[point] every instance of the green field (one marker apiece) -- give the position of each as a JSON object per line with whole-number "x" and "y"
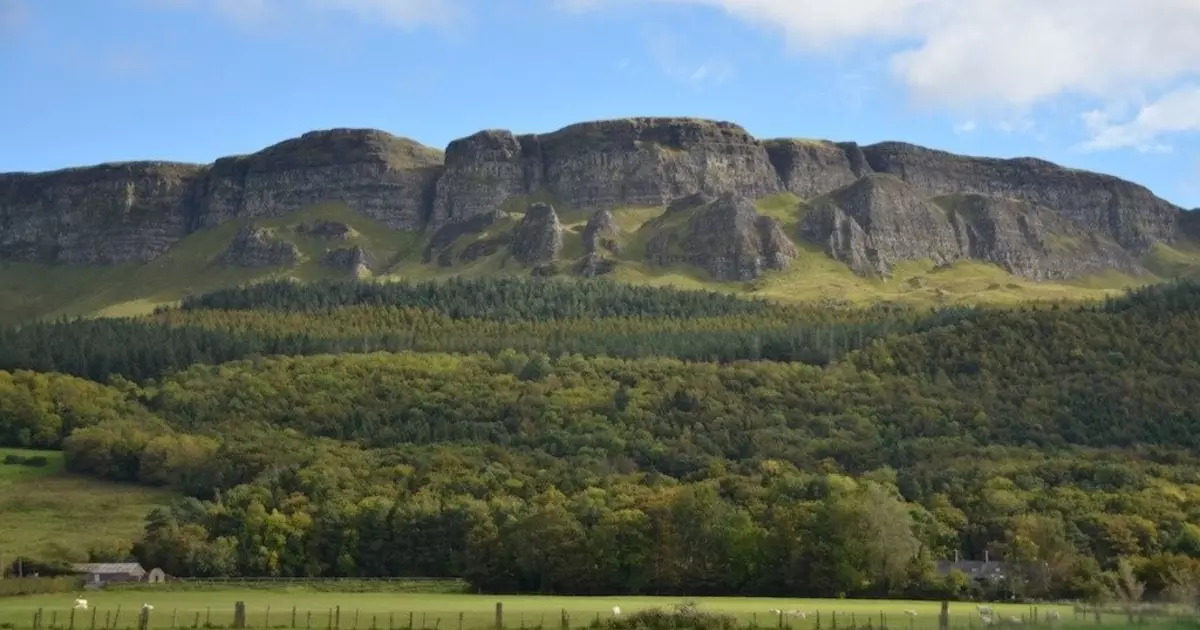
{"x": 273, "y": 608}
{"x": 45, "y": 512}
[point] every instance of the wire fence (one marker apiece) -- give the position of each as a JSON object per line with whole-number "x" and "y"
{"x": 236, "y": 615}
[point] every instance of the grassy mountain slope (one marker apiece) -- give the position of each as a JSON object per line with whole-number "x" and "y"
{"x": 192, "y": 266}
{"x": 49, "y": 513}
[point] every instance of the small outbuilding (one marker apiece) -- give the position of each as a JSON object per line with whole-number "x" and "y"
{"x": 111, "y": 572}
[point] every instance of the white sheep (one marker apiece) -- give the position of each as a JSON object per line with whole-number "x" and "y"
{"x": 1053, "y": 616}
{"x": 798, "y": 613}
{"x": 81, "y": 604}
{"x": 1015, "y": 619}
{"x": 987, "y": 621}
{"x": 616, "y": 611}
{"x": 147, "y": 607}
{"x": 910, "y": 613}
{"x": 984, "y": 610}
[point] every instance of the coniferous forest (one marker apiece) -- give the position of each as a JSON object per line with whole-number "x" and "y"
{"x": 590, "y": 437}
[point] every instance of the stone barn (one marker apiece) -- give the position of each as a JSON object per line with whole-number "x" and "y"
{"x": 110, "y": 572}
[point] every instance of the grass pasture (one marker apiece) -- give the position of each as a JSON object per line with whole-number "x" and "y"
{"x": 45, "y": 512}
{"x": 362, "y": 611}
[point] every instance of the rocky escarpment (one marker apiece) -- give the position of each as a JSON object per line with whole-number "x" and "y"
{"x": 726, "y": 237}
{"x": 117, "y": 213}
{"x": 259, "y": 247}
{"x": 106, "y": 214}
{"x": 1127, "y": 213}
{"x": 814, "y": 167}
{"x": 538, "y": 237}
{"x": 134, "y": 212}
{"x": 372, "y": 172}
{"x": 597, "y": 165}
{"x": 880, "y": 221}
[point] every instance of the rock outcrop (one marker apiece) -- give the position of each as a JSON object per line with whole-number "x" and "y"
{"x": 1127, "y": 213}
{"x": 328, "y": 230}
{"x": 118, "y": 213}
{"x": 597, "y": 165}
{"x": 113, "y": 213}
{"x": 814, "y": 167}
{"x": 538, "y": 237}
{"x": 593, "y": 264}
{"x": 356, "y": 260}
{"x": 259, "y": 247}
{"x": 880, "y": 221}
{"x": 601, "y": 232}
{"x": 726, "y": 237}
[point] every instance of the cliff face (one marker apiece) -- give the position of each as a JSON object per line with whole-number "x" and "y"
{"x": 134, "y": 212}
{"x": 1129, "y": 214}
{"x": 596, "y": 165}
{"x": 374, "y": 173}
{"x": 726, "y": 237}
{"x": 880, "y": 221}
{"x": 100, "y": 215}
{"x": 538, "y": 237}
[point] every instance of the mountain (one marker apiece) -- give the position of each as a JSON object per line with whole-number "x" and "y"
{"x": 786, "y": 208}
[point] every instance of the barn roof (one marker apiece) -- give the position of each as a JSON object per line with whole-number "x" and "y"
{"x": 128, "y": 568}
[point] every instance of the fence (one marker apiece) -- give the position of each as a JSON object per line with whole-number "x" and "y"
{"x": 239, "y": 616}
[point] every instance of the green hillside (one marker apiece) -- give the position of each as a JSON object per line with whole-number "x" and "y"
{"x": 193, "y": 266}
{"x": 50, "y": 514}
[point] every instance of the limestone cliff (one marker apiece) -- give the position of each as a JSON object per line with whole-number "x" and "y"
{"x": 1127, "y": 213}
{"x": 597, "y": 165}
{"x": 355, "y": 260}
{"x": 880, "y": 221}
{"x": 374, "y": 173}
{"x": 105, "y": 214}
{"x": 726, "y": 237}
{"x": 130, "y": 212}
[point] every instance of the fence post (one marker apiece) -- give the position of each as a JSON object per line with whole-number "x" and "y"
{"x": 94, "y": 611}
{"x": 460, "y": 621}
{"x": 267, "y": 618}
{"x": 53, "y": 619}
{"x": 239, "y": 615}
{"x": 144, "y": 618}
{"x": 196, "y": 621}
{"x": 293, "y": 616}
{"x": 174, "y": 617}
{"x": 944, "y": 618}
{"x": 499, "y": 616}
{"x": 337, "y": 617}
{"x": 410, "y": 620}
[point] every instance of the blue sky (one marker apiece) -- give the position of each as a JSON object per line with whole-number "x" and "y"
{"x": 1106, "y": 85}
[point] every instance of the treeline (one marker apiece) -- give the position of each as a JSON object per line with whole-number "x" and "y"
{"x": 173, "y": 339}
{"x": 511, "y": 519}
{"x": 496, "y": 298}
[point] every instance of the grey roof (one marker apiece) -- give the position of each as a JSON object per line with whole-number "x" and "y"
{"x": 127, "y": 568}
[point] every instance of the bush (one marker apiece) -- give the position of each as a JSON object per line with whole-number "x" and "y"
{"x": 40, "y": 585}
{"x": 35, "y": 461}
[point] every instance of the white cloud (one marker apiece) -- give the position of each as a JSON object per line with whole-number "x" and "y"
{"x": 965, "y": 127}
{"x": 1175, "y": 112}
{"x": 665, "y": 51}
{"x": 992, "y": 54}
{"x": 401, "y": 13}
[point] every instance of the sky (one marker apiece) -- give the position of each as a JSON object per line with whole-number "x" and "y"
{"x": 1105, "y": 85}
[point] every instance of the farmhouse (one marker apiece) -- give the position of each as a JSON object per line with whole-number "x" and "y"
{"x": 109, "y": 572}
{"x": 976, "y": 570}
